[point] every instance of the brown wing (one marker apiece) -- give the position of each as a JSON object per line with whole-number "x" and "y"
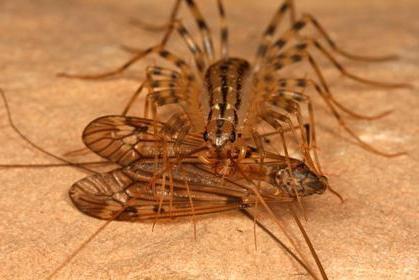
{"x": 124, "y": 140}
{"x": 126, "y": 194}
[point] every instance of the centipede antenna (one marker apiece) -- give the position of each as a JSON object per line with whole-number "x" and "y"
{"x": 276, "y": 220}
{"x": 279, "y": 241}
{"x": 309, "y": 243}
{"x": 83, "y": 245}
{"x": 27, "y": 140}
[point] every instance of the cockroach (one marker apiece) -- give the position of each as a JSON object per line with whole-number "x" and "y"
{"x": 152, "y": 183}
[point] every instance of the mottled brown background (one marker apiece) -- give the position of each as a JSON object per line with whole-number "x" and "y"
{"x": 373, "y": 235}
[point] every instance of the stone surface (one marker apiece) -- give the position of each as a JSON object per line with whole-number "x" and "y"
{"x": 373, "y": 235}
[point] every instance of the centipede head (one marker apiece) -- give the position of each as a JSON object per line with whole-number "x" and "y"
{"x": 220, "y": 134}
{"x": 223, "y": 152}
{"x": 222, "y": 162}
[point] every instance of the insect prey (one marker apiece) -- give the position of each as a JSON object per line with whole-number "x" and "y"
{"x": 144, "y": 188}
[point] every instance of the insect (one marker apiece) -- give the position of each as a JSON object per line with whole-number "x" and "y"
{"x": 138, "y": 175}
{"x": 134, "y": 192}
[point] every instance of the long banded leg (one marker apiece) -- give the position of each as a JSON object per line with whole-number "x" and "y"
{"x": 257, "y": 139}
{"x": 170, "y": 81}
{"x": 136, "y": 57}
{"x": 178, "y": 126}
{"x": 159, "y": 71}
{"x": 275, "y": 119}
{"x": 158, "y": 97}
{"x": 160, "y": 49}
{"x": 304, "y": 55}
{"x": 267, "y": 36}
{"x": 186, "y": 73}
{"x": 282, "y": 98}
{"x": 190, "y": 43}
{"x": 163, "y": 97}
{"x": 133, "y": 98}
{"x": 340, "y": 51}
{"x": 289, "y": 100}
{"x": 161, "y": 79}
{"x": 204, "y": 30}
{"x": 272, "y": 118}
{"x": 156, "y": 27}
{"x": 169, "y": 86}
{"x": 187, "y": 38}
{"x": 185, "y": 69}
{"x": 302, "y": 83}
{"x": 193, "y": 47}
{"x": 223, "y": 30}
{"x": 294, "y": 54}
{"x": 277, "y": 220}
{"x": 300, "y": 24}
{"x": 312, "y": 42}
{"x": 312, "y": 142}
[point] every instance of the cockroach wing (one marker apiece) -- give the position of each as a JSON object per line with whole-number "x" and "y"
{"x": 101, "y": 195}
{"x": 127, "y": 194}
{"x": 124, "y": 140}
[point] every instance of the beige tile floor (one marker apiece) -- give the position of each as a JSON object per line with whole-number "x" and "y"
{"x": 373, "y": 235}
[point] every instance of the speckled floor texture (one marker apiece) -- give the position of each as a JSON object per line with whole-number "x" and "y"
{"x": 372, "y": 235}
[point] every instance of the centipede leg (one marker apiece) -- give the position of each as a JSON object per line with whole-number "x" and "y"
{"x": 137, "y": 56}
{"x": 190, "y": 43}
{"x": 133, "y": 98}
{"x": 315, "y": 23}
{"x": 343, "y": 71}
{"x": 223, "y": 30}
{"x": 291, "y": 83}
{"x": 204, "y": 30}
{"x": 261, "y": 151}
{"x": 175, "y": 84}
{"x": 274, "y": 52}
{"x": 308, "y": 141}
{"x": 305, "y": 55}
{"x": 297, "y": 26}
{"x": 155, "y": 27}
{"x": 267, "y": 36}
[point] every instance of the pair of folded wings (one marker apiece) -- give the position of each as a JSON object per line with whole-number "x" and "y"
{"x": 135, "y": 191}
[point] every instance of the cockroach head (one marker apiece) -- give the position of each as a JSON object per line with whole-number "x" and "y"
{"x": 299, "y": 181}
